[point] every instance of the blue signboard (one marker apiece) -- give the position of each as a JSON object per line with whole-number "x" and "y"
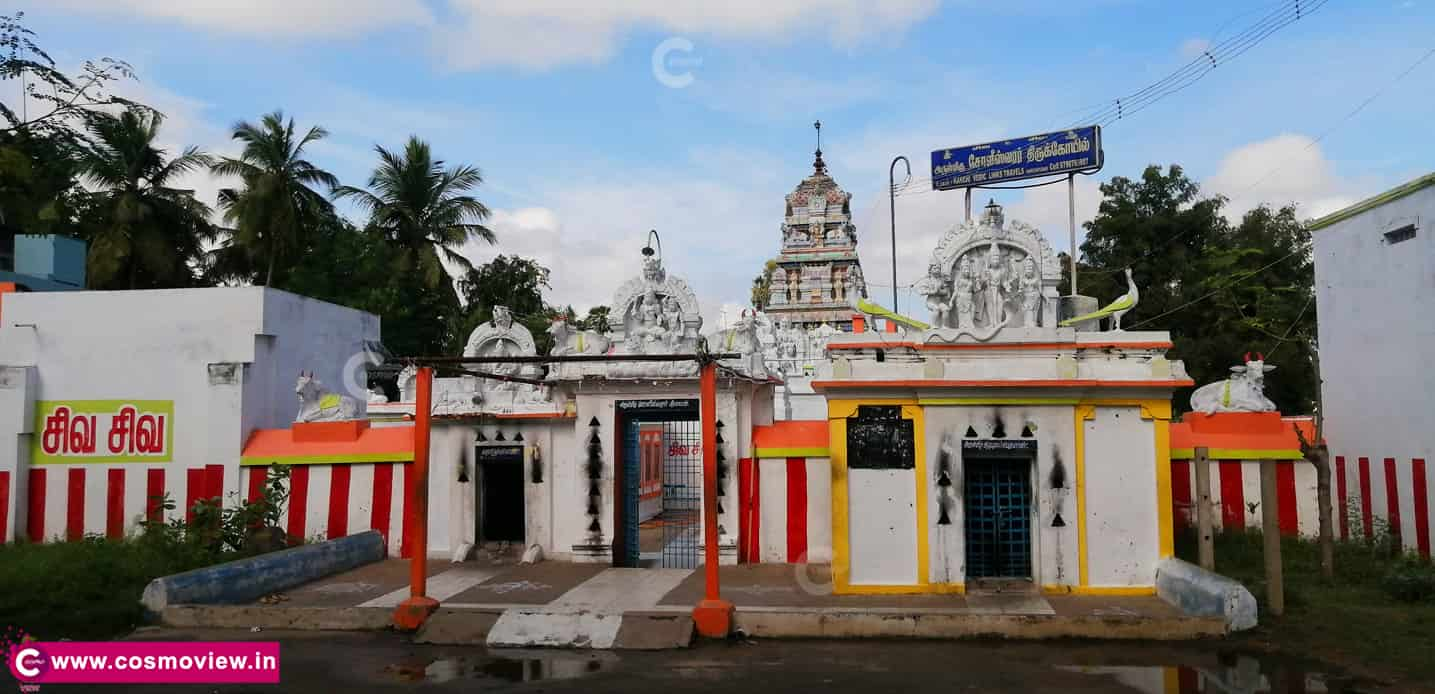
{"x": 1048, "y": 154}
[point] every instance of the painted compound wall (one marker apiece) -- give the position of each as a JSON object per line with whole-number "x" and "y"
{"x": 1376, "y": 301}
{"x": 226, "y": 358}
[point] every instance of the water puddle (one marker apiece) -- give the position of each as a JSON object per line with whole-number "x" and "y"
{"x": 1232, "y": 675}
{"x": 512, "y": 666}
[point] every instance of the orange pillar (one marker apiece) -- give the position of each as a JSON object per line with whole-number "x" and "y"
{"x": 411, "y": 613}
{"x": 713, "y": 615}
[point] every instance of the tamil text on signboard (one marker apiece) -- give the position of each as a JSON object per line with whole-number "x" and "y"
{"x": 103, "y": 431}
{"x": 1063, "y": 152}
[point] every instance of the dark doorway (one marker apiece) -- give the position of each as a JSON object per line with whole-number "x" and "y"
{"x": 501, "y": 485}
{"x": 660, "y": 469}
{"x": 998, "y": 517}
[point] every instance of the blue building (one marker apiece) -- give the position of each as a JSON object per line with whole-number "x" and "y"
{"x": 48, "y": 263}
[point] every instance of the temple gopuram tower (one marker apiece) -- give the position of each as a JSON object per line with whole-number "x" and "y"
{"x": 817, "y": 273}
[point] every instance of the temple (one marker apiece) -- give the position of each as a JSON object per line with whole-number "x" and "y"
{"x": 818, "y": 272}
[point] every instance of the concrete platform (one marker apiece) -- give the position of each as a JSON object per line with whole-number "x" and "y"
{"x": 497, "y": 602}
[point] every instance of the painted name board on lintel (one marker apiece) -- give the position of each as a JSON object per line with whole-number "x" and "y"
{"x": 103, "y": 431}
{"x": 999, "y": 448}
{"x": 499, "y": 454}
{"x": 660, "y": 405}
{"x": 1076, "y": 150}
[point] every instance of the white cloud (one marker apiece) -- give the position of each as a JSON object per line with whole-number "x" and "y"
{"x": 540, "y": 34}
{"x": 270, "y": 18}
{"x": 1284, "y": 169}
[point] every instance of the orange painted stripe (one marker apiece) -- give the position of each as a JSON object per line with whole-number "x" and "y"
{"x": 792, "y": 434}
{"x": 338, "y": 501}
{"x": 75, "y": 512}
{"x": 382, "y": 500}
{"x": 4, "y": 505}
{"x": 115, "y": 503}
{"x": 35, "y": 506}
{"x": 298, "y": 502}
{"x": 1023, "y": 383}
{"x": 980, "y": 346}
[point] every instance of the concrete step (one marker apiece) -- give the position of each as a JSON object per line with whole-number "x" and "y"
{"x": 566, "y": 628}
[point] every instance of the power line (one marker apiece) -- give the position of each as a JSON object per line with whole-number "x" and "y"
{"x": 1234, "y": 281}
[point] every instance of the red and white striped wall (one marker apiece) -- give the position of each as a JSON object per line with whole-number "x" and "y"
{"x": 786, "y": 508}
{"x": 68, "y": 502}
{"x": 1369, "y": 493}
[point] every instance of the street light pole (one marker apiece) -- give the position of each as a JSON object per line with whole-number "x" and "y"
{"x": 892, "y": 200}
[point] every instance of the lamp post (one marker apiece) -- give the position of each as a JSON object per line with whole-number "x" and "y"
{"x": 892, "y": 200}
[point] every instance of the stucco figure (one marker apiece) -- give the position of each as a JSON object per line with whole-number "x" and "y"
{"x": 991, "y": 274}
{"x": 1030, "y": 292}
{"x": 319, "y": 404}
{"x": 568, "y": 340}
{"x": 1244, "y": 391}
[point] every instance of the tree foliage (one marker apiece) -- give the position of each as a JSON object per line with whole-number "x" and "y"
{"x": 1221, "y": 289}
{"x": 761, "y": 293}
{"x": 511, "y": 281}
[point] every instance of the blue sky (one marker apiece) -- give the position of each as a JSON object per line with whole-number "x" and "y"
{"x": 585, "y": 145}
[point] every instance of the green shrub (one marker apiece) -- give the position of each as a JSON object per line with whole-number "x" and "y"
{"x": 1411, "y": 581}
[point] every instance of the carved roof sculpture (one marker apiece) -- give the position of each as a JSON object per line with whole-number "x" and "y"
{"x": 471, "y": 395}
{"x": 990, "y": 275}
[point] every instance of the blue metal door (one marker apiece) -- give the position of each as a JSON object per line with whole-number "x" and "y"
{"x": 631, "y": 479}
{"x": 998, "y": 518}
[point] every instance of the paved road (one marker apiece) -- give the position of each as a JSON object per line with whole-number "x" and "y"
{"x": 357, "y": 663}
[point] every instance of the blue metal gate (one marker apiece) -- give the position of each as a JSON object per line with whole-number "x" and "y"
{"x": 673, "y": 536}
{"x": 998, "y": 518}
{"x": 631, "y": 475}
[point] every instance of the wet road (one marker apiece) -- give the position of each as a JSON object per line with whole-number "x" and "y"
{"x": 354, "y": 663}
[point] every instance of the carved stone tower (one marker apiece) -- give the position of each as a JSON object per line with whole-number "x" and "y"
{"x": 818, "y": 273}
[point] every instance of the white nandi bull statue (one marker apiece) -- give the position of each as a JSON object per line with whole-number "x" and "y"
{"x": 567, "y": 340}
{"x": 1242, "y": 392}
{"x": 319, "y": 404}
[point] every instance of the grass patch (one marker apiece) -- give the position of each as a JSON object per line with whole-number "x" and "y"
{"x": 1364, "y": 618}
{"x": 90, "y": 589}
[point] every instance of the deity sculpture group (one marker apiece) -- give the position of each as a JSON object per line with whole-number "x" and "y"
{"x": 991, "y": 275}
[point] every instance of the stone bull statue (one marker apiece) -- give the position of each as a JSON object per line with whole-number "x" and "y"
{"x": 1244, "y": 391}
{"x": 567, "y": 340}
{"x": 319, "y": 404}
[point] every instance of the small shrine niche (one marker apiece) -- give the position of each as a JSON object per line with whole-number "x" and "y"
{"x": 992, "y": 274}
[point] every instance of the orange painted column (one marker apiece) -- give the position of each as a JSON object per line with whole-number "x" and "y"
{"x": 412, "y": 612}
{"x": 713, "y": 615}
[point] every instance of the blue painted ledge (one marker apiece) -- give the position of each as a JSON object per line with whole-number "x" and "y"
{"x": 245, "y": 580}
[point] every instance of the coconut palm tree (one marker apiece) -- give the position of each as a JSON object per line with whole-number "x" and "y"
{"x": 422, "y": 209}
{"x": 273, "y": 213}
{"x": 143, "y": 232}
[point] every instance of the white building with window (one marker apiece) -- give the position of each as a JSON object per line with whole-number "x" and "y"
{"x": 1375, "y": 293}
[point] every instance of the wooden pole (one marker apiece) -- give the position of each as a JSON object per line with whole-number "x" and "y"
{"x": 1205, "y": 532}
{"x": 1271, "y": 535}
{"x": 713, "y": 615}
{"x": 412, "y": 612}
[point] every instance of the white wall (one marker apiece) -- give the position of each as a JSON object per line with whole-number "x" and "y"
{"x": 882, "y": 526}
{"x": 161, "y": 345}
{"x": 1376, "y": 303}
{"x": 1122, "y": 532}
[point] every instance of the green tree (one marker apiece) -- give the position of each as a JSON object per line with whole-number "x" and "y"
{"x": 278, "y": 206}
{"x": 762, "y": 286}
{"x": 423, "y": 209}
{"x": 143, "y": 232}
{"x": 596, "y": 320}
{"x": 511, "y": 281}
{"x": 1220, "y": 289}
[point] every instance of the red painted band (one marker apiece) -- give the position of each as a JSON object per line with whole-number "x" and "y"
{"x": 1181, "y": 493}
{"x": 4, "y": 506}
{"x": 1285, "y": 497}
{"x": 35, "y": 506}
{"x": 115, "y": 503}
{"x": 1344, "y": 502}
{"x": 1422, "y": 507}
{"x": 338, "y": 501}
{"x": 1366, "y": 519}
{"x": 75, "y": 511}
{"x": 298, "y": 502}
{"x": 382, "y": 501}
{"x": 193, "y": 490}
{"x": 1392, "y": 501}
{"x": 407, "y": 524}
{"x": 154, "y": 494}
{"x": 214, "y": 483}
{"x": 796, "y": 510}
{"x": 747, "y": 519}
{"x": 257, "y": 477}
{"x": 1233, "y": 497}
